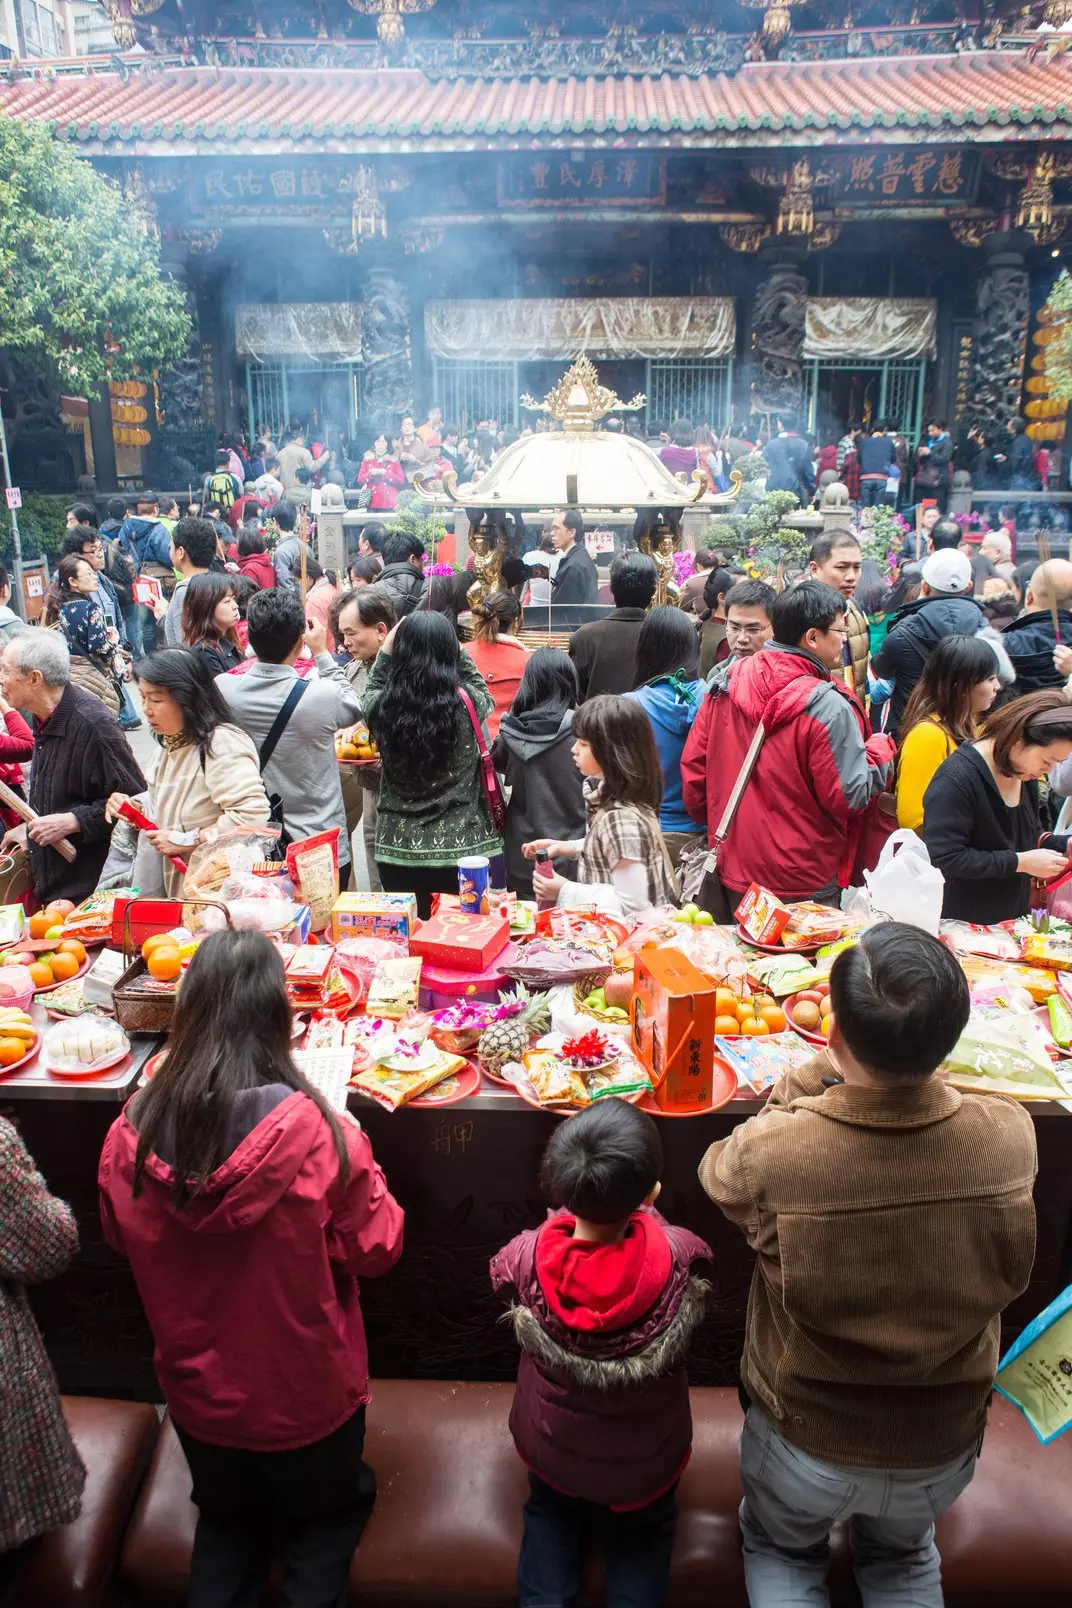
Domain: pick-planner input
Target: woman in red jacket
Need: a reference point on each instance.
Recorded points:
(248, 1209)
(16, 743)
(381, 471)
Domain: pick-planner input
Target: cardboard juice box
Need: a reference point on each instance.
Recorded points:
(673, 1017)
(461, 941)
(373, 915)
(12, 923)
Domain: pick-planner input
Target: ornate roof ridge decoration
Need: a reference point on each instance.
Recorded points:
(140, 107)
(390, 28)
(579, 401)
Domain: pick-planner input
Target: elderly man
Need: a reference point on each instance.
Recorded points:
(80, 758)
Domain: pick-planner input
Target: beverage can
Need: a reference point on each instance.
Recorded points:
(473, 877)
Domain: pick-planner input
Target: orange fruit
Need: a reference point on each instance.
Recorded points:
(762, 1000)
(774, 1017)
(744, 1009)
(40, 924)
(726, 1024)
(164, 964)
(12, 1050)
(41, 974)
(753, 1026)
(159, 940)
(824, 1026)
(64, 967)
(725, 1001)
(71, 946)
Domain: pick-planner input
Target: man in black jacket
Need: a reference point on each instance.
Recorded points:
(944, 608)
(1029, 641)
(604, 652)
(576, 578)
(80, 759)
(790, 464)
(402, 576)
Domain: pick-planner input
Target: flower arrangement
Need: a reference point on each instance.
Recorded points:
(684, 566)
(437, 569)
(587, 1050)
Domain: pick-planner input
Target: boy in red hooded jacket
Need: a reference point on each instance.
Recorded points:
(604, 1307)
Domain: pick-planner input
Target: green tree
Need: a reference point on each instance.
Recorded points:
(81, 297)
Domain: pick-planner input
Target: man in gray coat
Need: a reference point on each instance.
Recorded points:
(303, 771)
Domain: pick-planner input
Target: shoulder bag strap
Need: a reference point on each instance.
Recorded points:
(489, 780)
(282, 721)
(733, 802)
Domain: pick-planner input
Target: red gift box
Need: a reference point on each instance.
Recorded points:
(455, 939)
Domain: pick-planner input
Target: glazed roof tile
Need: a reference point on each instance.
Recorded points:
(986, 95)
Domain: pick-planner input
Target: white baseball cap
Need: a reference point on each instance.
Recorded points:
(948, 571)
(537, 559)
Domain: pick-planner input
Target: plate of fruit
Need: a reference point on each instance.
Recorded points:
(50, 963)
(357, 749)
(747, 1015)
(19, 1039)
(810, 1014)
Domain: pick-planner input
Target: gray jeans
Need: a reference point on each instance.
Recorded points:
(791, 1500)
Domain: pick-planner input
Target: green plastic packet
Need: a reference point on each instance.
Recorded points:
(1060, 1021)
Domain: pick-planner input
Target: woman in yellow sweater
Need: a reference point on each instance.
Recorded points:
(959, 683)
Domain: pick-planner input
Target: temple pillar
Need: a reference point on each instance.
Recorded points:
(385, 350)
(100, 434)
(778, 309)
(999, 337)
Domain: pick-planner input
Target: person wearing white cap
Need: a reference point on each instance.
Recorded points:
(538, 564)
(944, 608)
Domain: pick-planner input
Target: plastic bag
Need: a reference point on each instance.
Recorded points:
(1059, 898)
(90, 1044)
(904, 886)
(1035, 1374)
(234, 853)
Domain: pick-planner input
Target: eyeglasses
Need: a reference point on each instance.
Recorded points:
(754, 630)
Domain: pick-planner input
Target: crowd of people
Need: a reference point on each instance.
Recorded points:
(790, 729)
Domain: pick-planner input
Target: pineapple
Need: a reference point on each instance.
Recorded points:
(520, 1016)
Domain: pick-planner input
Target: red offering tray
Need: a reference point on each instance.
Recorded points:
(778, 949)
(6, 1071)
(724, 1088)
(453, 1090)
(813, 1035)
(42, 948)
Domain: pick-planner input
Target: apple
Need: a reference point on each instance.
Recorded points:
(618, 988)
(683, 917)
(59, 908)
(703, 918)
(54, 933)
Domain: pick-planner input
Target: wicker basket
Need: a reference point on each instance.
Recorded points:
(584, 987)
(135, 1010)
(545, 639)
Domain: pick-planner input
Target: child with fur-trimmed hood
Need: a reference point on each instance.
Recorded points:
(604, 1307)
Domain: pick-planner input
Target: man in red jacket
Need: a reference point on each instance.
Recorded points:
(797, 824)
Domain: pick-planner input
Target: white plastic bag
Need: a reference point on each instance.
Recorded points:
(904, 886)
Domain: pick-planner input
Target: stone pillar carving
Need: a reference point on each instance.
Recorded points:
(330, 537)
(778, 331)
(1002, 312)
(385, 348)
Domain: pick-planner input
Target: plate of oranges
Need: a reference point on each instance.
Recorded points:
(50, 963)
(747, 1015)
(357, 750)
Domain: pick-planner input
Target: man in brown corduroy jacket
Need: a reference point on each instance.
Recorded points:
(893, 1221)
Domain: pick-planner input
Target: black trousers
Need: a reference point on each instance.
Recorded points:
(308, 1507)
(423, 880)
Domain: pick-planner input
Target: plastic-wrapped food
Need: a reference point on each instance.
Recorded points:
(234, 853)
(546, 962)
(361, 956)
(314, 870)
(991, 943)
(89, 1044)
(1005, 1055)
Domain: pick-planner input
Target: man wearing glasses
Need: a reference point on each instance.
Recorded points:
(815, 773)
(748, 618)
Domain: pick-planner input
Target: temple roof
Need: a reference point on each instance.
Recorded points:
(144, 108)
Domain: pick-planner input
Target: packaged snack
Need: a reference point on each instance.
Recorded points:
(553, 1080)
(324, 1033)
(374, 915)
(1049, 949)
(547, 962)
(783, 977)
(394, 987)
(760, 1062)
(1034, 1373)
(93, 1043)
(1005, 1055)
(313, 865)
(1060, 1021)
(967, 938)
(673, 1028)
(314, 980)
(360, 956)
(12, 923)
(811, 923)
(401, 1077)
(762, 915)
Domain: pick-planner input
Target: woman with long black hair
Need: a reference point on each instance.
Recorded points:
(669, 690)
(210, 619)
(208, 775)
(248, 1209)
(959, 684)
(419, 703)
